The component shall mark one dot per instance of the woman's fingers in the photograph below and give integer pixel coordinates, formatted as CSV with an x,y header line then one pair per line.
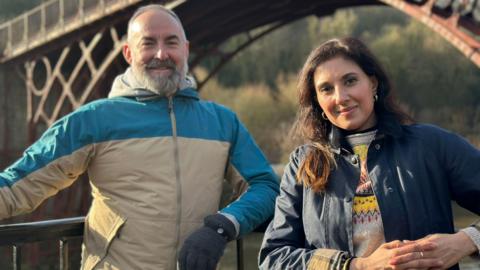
x,y
397,244
414,246
418,262
415,255
405,258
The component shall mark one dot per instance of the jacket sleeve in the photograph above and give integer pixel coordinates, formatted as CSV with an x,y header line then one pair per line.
x,y
462,162
47,166
256,204
284,245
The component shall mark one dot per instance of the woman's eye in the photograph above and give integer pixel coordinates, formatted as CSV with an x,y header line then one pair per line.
x,y
350,81
326,89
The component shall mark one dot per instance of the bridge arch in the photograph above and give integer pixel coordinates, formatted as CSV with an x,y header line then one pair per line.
x,y
458,22
83,28
83,62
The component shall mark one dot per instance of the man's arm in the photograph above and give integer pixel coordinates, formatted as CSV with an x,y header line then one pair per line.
x,y
257,203
47,166
204,247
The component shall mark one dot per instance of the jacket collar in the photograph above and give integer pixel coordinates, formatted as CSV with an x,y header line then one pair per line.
x,y
188,93
388,125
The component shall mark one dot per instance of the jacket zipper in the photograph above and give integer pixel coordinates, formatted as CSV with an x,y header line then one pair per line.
x,y
177,173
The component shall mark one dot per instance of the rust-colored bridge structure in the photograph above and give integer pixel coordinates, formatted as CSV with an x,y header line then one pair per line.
x,y
70,50
67,52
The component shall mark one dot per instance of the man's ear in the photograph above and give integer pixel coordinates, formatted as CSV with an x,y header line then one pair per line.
x,y
187,48
127,53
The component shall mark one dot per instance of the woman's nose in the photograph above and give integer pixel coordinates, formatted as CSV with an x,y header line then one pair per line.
x,y
341,95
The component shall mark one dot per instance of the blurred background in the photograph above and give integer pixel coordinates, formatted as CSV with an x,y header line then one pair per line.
x,y
433,80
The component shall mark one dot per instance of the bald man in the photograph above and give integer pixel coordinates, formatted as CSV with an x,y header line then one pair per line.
x,y
157,157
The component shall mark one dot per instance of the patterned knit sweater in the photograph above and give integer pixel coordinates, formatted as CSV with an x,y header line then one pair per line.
x,y
367,221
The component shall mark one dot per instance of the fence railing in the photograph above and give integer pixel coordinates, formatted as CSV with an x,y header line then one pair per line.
x,y
63,230
51,20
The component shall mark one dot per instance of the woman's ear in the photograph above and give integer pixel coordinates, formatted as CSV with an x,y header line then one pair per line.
x,y
374,84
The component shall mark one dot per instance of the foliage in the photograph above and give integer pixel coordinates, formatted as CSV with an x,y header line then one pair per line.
x,y
434,81
282,51
268,115
432,78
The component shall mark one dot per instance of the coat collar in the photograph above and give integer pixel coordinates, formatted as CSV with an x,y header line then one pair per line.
x,y
387,126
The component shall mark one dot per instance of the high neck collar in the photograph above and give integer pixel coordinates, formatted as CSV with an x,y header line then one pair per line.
x,y
387,125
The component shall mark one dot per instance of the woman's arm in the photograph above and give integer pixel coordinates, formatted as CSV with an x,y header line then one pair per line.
x,y
283,245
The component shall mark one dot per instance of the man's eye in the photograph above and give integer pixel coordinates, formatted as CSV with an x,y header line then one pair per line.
x,y
147,43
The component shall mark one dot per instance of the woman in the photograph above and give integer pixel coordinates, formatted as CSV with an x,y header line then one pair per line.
x,y
370,190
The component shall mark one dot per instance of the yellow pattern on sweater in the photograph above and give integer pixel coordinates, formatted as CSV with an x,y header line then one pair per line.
x,y
367,222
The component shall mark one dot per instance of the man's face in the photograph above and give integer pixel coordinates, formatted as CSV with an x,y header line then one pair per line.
x,y
157,51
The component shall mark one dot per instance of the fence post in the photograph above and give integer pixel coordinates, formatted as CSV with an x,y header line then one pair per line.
x,y
63,246
17,257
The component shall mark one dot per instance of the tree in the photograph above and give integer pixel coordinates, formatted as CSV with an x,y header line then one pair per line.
x,y
433,80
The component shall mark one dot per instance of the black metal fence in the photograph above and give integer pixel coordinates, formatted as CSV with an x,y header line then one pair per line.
x,y
63,230
19,235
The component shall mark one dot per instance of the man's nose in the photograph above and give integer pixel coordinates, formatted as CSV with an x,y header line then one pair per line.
x,y
162,53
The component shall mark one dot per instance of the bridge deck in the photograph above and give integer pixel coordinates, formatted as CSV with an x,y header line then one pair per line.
x,y
213,21
52,20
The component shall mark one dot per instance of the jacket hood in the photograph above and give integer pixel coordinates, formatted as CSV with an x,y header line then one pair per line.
x,y
125,85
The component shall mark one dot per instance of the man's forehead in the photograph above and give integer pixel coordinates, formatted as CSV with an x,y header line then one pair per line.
x,y
154,21
135,27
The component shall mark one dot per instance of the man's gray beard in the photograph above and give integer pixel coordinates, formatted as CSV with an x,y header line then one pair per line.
x,y
161,85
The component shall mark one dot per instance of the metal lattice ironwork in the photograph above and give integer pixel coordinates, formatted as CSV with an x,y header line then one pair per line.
x,y
73,72
52,20
65,88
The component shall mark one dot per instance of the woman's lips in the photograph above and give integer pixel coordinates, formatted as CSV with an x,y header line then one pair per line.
x,y
347,111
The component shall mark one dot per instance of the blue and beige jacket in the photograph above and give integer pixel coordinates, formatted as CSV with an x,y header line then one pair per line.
x,y
156,169
416,171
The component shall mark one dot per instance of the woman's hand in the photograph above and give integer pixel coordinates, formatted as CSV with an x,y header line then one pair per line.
x,y
451,249
409,251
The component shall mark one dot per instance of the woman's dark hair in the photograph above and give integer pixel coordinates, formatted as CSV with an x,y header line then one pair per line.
x,y
310,124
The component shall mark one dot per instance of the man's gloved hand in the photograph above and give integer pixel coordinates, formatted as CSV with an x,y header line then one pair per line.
x,y
204,247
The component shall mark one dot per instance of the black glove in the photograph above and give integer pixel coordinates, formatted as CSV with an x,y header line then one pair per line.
x,y
204,247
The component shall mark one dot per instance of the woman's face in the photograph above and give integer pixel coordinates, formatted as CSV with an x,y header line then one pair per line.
x,y
345,93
